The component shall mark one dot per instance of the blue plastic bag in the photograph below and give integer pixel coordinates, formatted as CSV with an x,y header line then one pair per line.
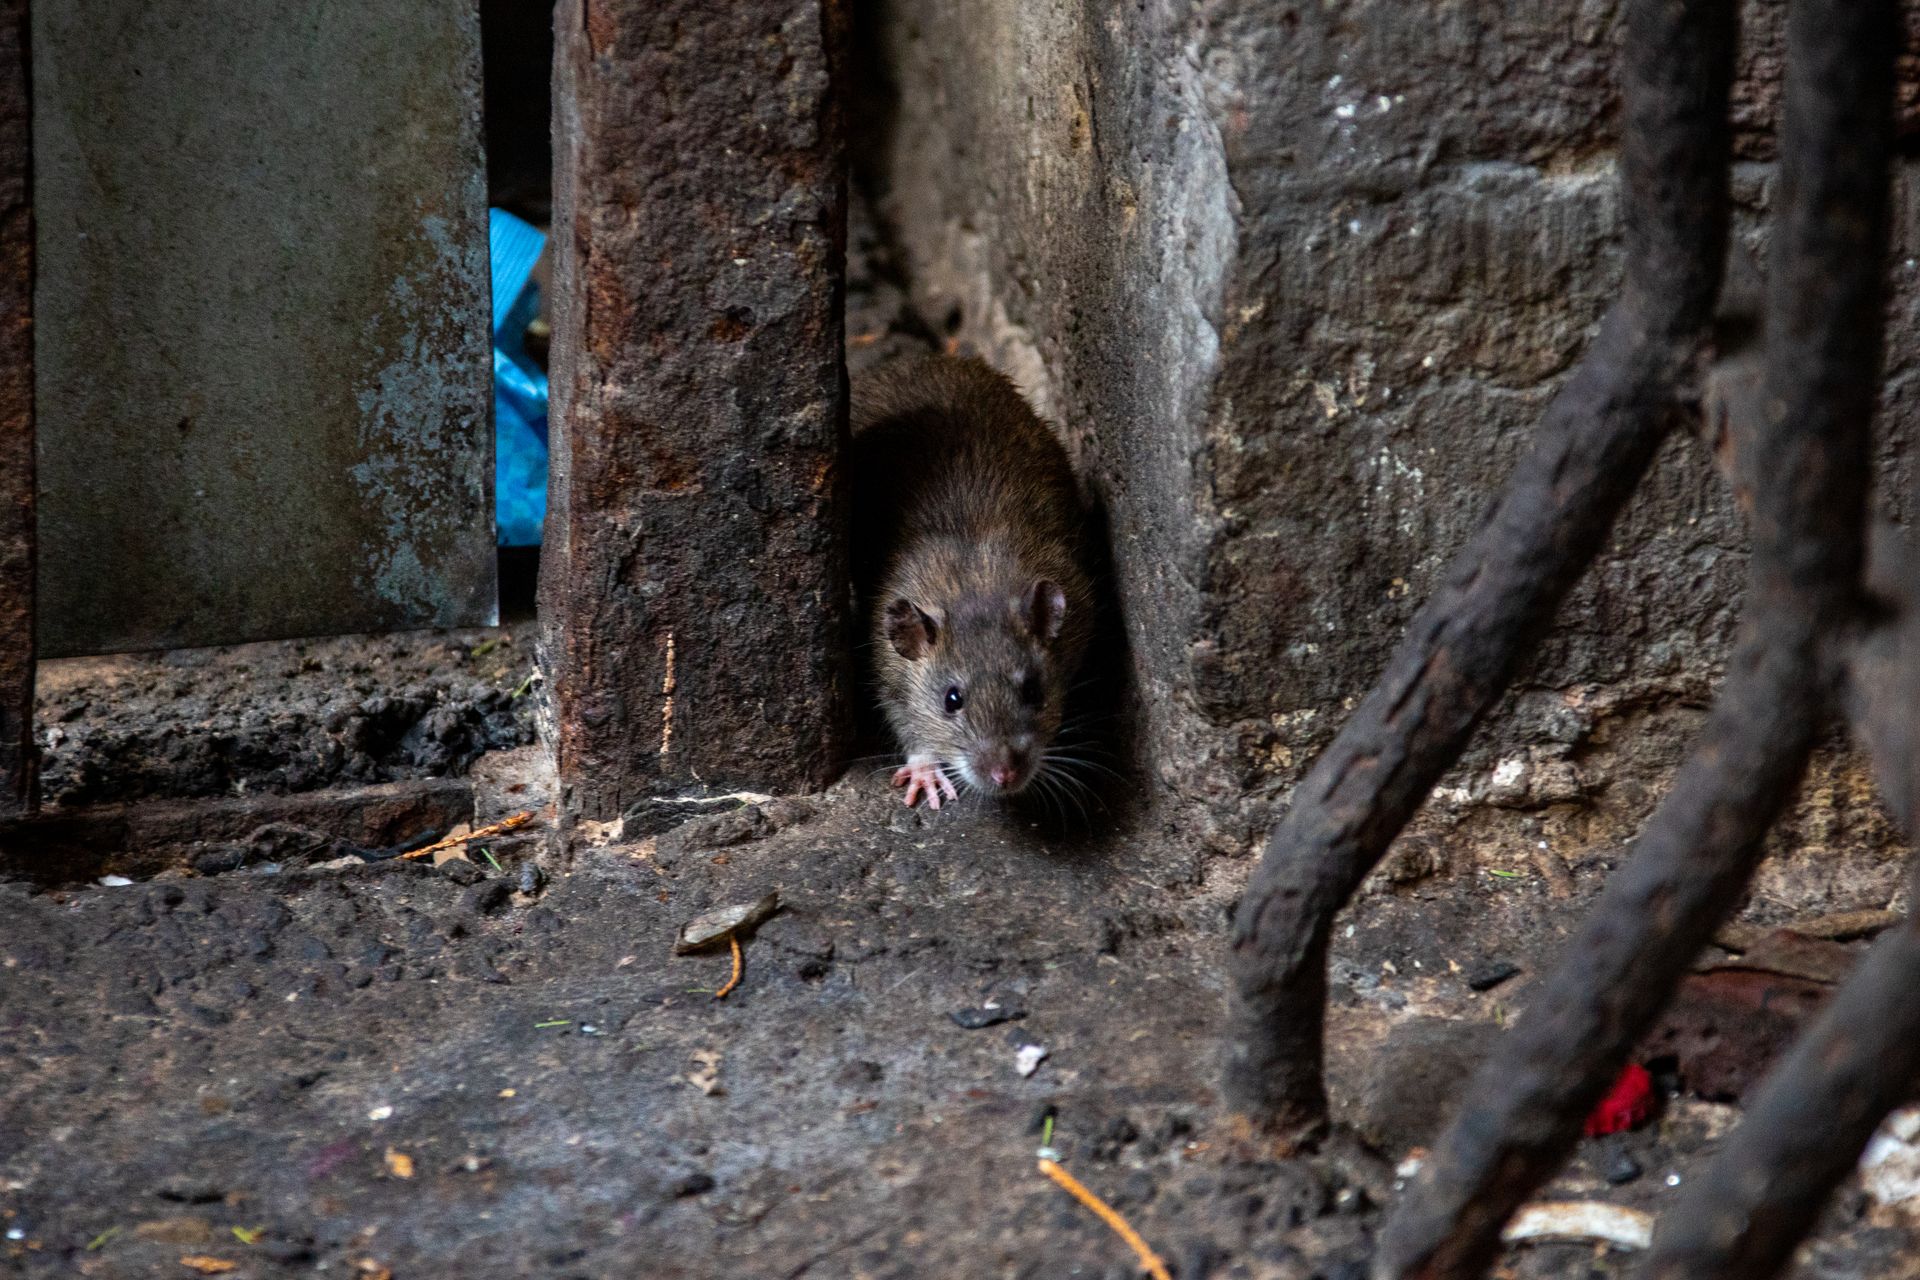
x,y
519,386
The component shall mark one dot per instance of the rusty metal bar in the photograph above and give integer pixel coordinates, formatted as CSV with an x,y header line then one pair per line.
x,y
1594,443
16,418
1883,676
694,575
1804,459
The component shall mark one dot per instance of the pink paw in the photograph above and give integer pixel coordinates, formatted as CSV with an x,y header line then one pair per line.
x,y
925,776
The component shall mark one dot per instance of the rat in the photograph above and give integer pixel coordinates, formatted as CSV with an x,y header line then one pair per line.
x,y
970,564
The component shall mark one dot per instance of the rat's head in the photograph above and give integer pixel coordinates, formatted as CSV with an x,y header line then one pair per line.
x,y
983,686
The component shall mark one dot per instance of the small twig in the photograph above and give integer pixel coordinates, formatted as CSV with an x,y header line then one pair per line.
x,y
520,819
739,967
1121,1227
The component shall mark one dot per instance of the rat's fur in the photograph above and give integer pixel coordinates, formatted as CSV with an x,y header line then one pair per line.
x,y
970,562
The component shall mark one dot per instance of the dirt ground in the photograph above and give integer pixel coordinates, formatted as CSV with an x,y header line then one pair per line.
x,y
364,1069
384,1067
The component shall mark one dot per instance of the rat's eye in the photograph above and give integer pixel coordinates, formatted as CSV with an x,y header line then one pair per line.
x,y
1032,692
955,699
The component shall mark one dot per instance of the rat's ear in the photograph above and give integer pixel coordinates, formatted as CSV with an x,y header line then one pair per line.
x,y
910,629
1044,608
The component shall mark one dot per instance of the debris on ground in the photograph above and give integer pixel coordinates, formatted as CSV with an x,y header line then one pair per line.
x,y
501,827
710,928
1729,1022
1626,1106
149,1026
1581,1221
706,1073
1890,1166
739,968
1121,1227
990,1014
1490,975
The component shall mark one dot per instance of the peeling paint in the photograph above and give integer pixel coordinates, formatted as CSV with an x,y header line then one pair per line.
x,y
415,412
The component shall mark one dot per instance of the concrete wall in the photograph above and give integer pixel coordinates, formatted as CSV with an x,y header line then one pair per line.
x,y
1298,280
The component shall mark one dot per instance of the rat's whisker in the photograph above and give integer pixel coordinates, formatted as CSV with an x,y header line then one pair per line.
x,y
1080,792
1069,761
1050,796
1068,790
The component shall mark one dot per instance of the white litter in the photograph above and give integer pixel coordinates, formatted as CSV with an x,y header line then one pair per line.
x,y
1585,1220
1890,1166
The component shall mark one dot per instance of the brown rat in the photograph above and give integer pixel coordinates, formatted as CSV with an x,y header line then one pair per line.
x,y
970,562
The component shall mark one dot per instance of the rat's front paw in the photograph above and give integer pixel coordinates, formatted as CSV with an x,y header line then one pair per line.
x,y
924,775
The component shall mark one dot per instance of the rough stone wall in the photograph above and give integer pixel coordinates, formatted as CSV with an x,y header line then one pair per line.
x,y
1298,281
693,577
16,419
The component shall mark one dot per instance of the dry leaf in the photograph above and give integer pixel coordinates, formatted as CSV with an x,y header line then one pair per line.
x,y
207,1265
399,1163
710,927
707,1078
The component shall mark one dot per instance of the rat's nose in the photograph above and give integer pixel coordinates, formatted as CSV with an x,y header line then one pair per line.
x,y
1005,768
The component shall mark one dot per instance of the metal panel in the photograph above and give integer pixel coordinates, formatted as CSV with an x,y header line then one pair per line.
x,y
263,384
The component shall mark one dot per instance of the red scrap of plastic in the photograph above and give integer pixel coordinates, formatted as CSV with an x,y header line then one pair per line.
x,y
1626,1105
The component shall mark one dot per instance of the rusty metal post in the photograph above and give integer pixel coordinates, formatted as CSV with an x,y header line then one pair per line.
x,y
16,418
693,582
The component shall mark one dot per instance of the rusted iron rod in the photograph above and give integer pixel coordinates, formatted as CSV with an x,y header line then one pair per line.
x,y
1804,1131
1804,459
16,419
1883,676
1594,443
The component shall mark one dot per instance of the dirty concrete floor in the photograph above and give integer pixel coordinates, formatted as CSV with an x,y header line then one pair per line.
x,y
394,1067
